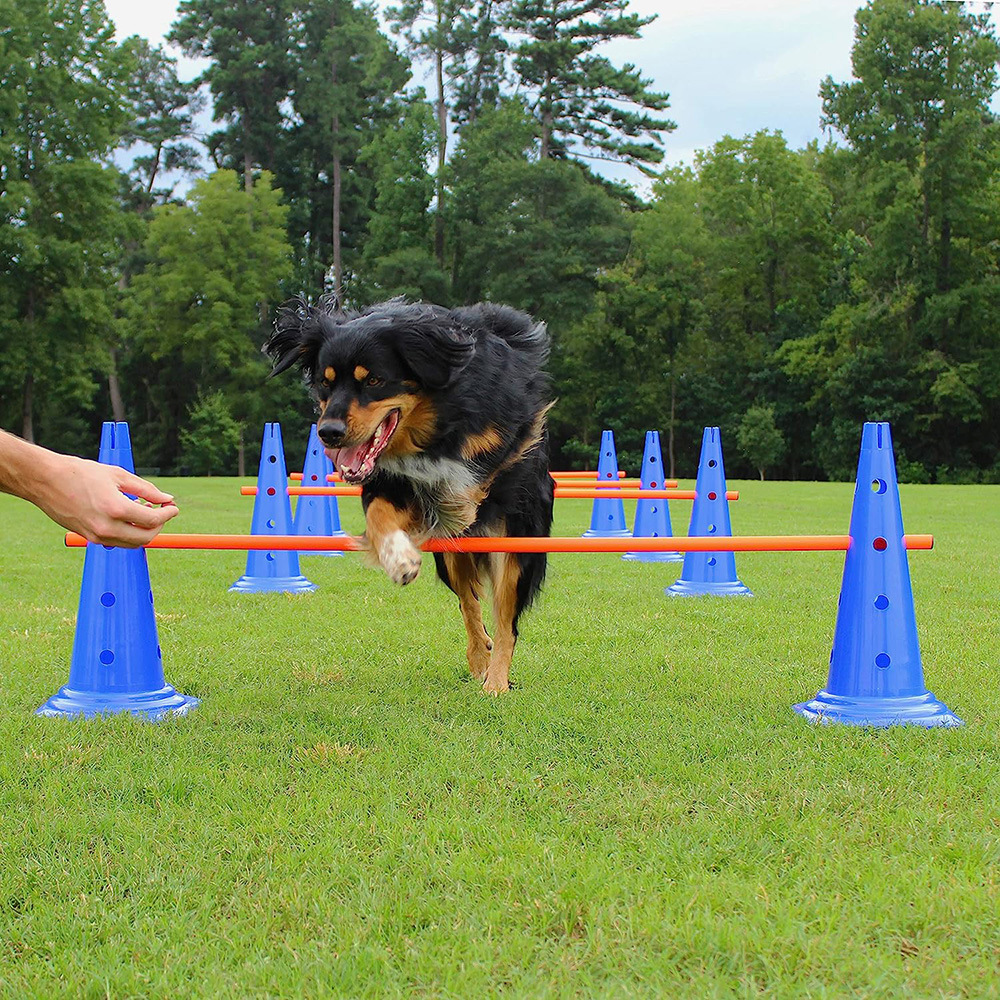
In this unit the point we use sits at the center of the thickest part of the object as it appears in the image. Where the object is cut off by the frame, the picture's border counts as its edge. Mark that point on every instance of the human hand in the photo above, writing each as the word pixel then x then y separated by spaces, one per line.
pixel 88 498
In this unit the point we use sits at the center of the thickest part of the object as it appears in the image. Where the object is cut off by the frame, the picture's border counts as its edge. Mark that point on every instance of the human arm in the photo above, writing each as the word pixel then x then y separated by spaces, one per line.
pixel 83 496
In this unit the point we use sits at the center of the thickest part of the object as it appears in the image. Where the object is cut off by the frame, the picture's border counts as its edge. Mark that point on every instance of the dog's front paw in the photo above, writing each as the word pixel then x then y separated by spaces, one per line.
pixel 400 558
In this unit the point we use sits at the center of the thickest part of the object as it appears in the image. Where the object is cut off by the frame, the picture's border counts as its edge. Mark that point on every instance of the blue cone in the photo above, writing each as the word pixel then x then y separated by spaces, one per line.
pixel 272 515
pixel 117 665
pixel 652 517
pixel 607 518
pixel 317 515
pixel 876 677
pixel 710 572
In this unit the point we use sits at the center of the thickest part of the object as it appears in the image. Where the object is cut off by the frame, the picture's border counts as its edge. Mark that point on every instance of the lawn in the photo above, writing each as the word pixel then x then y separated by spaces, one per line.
pixel 644 815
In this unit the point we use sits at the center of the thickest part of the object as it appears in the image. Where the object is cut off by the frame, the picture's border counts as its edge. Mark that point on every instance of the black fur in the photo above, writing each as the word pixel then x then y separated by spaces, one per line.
pixel 482 367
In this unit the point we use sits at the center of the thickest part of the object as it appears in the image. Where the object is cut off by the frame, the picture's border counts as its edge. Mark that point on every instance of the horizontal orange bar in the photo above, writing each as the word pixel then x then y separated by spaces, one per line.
pixel 296 477
pixel 347 543
pixel 561 492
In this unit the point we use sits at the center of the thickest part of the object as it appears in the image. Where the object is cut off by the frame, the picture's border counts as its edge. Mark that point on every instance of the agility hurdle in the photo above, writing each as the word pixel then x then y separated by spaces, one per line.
pixel 875 678
pixel 521 543
pixel 562 478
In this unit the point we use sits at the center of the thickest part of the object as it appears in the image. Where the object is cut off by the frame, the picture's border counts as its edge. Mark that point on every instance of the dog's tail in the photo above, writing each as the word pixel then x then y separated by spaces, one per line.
pixel 518 329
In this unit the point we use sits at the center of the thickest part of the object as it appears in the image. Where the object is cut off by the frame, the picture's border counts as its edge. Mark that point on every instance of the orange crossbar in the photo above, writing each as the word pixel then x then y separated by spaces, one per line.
pixel 342 543
pixel 562 492
pixel 670 484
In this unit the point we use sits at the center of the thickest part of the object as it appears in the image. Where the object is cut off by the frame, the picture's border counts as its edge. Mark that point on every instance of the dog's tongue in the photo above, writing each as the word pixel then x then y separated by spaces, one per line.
pixel 347 461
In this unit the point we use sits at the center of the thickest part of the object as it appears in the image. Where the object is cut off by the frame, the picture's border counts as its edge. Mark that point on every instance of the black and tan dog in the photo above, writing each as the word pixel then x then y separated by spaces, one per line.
pixel 440 415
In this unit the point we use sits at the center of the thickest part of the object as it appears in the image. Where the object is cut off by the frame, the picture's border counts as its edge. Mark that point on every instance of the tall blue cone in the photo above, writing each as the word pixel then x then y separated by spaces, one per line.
pixel 607 517
pixel 652 517
pixel 710 572
pixel 272 515
pixel 116 665
pixel 876 677
pixel 317 515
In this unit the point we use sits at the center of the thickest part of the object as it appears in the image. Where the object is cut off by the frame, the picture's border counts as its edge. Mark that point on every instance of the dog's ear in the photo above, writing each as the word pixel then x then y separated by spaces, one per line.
pixel 296 340
pixel 435 346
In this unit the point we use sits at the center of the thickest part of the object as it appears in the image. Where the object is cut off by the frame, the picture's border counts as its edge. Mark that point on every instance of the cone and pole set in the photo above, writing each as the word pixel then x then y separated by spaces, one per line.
pixel 652 516
pixel 710 572
pixel 317 515
pixel 876 676
pixel 117 664
pixel 607 518
pixel 272 570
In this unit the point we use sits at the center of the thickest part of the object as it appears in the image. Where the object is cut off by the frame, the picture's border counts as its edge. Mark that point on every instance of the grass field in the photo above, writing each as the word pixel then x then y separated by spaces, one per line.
pixel 345 815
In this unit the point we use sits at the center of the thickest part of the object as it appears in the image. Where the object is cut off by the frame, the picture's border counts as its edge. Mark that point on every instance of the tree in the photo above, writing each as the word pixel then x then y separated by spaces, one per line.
pixel 249 74
pixel 196 308
pixel 759 439
pixel 532 233
pixel 925 152
pixel 62 81
pixel 585 106
pixel 210 437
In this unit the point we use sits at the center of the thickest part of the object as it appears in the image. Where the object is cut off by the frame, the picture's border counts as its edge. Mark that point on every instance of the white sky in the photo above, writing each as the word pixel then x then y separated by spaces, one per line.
pixel 729 66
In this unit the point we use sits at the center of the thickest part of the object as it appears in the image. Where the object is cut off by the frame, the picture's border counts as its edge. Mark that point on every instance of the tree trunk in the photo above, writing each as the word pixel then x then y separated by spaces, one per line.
pixel 114 388
pixel 670 426
pixel 442 114
pixel 247 169
pixel 27 406
pixel 338 265
pixel 761 471
pixel 241 458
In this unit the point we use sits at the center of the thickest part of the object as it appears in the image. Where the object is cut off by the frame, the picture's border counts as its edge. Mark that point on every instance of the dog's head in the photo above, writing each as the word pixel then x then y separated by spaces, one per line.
pixel 375 374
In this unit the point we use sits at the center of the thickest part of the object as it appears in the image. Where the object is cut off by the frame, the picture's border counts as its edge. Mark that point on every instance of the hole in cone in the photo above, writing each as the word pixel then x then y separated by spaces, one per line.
pixel 881 602
pixel 713 496
pixel 882 660
pixel 878 486
pixel 880 544
pixel 107 599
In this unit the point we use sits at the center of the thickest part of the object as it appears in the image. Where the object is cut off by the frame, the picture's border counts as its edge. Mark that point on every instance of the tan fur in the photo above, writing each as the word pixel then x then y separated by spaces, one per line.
pixel 465 580
pixel 361 373
pixel 505 571
pixel 329 374
pixel 388 531
pixel 417 420
pixel 481 443
pixel 531 441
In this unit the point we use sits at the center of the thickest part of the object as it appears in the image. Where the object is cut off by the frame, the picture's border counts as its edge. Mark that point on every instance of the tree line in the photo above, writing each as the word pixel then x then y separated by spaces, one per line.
pixel 784 295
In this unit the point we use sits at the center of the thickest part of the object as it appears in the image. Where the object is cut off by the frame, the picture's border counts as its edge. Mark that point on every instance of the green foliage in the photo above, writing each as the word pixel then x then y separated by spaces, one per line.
pixel 584 104
pixel 210 437
pixel 759 439
pixel 62 81
pixel 198 310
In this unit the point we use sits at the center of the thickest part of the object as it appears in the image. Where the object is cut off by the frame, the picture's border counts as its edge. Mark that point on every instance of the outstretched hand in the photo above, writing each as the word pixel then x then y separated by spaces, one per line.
pixel 89 498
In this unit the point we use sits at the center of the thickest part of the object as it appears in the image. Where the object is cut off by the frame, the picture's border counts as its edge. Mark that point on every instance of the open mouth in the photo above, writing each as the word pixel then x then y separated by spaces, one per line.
pixel 357 462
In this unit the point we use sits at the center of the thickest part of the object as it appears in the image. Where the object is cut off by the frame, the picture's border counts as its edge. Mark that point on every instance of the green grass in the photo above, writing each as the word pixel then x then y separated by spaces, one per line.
pixel 643 816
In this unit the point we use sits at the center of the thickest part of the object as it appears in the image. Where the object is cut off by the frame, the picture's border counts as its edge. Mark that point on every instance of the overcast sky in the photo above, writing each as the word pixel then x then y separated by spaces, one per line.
pixel 729 66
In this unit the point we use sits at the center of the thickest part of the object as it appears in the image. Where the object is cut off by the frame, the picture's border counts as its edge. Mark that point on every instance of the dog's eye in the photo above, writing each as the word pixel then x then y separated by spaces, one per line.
pixel 373 381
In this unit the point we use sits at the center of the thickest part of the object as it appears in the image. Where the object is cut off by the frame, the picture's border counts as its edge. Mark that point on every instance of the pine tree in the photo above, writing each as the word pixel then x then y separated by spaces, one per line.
pixel 585 106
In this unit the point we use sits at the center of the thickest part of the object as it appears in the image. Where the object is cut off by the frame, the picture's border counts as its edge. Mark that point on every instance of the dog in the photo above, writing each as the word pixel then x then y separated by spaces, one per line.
pixel 440 415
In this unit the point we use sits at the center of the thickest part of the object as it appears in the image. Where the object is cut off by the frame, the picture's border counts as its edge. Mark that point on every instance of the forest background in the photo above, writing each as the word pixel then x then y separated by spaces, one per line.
pixel 783 294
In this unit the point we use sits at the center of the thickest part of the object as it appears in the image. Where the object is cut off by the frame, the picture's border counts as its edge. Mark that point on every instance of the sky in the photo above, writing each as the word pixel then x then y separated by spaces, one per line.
pixel 730 66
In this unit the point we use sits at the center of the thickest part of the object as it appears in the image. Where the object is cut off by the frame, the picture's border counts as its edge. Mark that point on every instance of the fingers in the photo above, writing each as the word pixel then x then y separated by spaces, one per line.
pixel 144 517
pixel 129 483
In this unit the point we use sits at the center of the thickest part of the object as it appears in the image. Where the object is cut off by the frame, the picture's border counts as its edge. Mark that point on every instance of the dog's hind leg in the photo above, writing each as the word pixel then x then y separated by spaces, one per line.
pixel 505 576
pixel 462 576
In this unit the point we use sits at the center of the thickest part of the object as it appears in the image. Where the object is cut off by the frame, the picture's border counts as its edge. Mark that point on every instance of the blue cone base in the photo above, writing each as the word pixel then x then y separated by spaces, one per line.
pixel 916 710
pixel 700 588
pixel 272 585
pixel 151 704
pixel 656 557
pixel 591 533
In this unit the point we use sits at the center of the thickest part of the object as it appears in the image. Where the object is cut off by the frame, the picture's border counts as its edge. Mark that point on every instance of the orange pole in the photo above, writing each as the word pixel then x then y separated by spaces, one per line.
pixel 340 543
pixel 670 484
pixel 561 492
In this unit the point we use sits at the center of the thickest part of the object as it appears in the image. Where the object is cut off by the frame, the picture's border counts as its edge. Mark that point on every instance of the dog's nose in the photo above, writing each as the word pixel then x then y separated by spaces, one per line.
pixel 331 432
